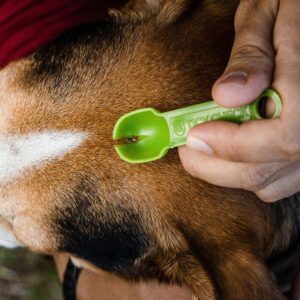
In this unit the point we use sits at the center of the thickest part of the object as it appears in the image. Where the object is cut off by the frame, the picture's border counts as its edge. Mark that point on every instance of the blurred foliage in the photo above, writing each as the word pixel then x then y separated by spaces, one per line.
pixel 27 276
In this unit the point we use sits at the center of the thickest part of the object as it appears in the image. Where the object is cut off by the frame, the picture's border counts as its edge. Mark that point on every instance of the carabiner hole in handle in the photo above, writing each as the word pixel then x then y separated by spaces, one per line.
pixel 269 105
pixel 266 107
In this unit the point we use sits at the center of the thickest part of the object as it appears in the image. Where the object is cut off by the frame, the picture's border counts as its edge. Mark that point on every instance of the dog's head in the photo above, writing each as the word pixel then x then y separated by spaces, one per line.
pixel 63 187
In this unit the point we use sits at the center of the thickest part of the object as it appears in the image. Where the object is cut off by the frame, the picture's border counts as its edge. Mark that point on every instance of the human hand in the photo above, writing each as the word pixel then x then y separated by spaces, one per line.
pixel 260 156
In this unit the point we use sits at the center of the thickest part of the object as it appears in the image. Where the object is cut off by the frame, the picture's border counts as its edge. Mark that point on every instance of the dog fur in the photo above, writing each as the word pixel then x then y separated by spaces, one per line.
pixel 144 221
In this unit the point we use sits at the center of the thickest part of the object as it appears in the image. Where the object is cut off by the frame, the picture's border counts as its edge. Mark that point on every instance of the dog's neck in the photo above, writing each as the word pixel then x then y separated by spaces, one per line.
pixel 27 25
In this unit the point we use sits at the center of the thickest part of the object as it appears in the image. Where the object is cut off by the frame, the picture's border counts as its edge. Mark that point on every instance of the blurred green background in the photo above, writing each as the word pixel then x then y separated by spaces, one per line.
pixel 27 276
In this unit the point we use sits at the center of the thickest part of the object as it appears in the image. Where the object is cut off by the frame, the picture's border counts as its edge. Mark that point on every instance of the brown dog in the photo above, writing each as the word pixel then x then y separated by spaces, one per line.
pixel 64 189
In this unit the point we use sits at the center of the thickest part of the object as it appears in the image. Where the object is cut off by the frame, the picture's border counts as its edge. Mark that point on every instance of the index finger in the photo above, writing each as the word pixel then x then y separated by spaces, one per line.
pixel 254 141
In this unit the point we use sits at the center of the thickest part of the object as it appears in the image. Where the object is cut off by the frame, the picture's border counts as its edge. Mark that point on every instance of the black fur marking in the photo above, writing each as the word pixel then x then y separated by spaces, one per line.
pixel 50 58
pixel 286 216
pixel 109 236
pixel 285 265
pixel 63 65
pixel 70 280
pixel 294 206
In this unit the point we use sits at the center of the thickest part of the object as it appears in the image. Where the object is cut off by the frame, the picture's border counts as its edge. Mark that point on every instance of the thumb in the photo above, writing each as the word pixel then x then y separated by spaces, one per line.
pixel 251 63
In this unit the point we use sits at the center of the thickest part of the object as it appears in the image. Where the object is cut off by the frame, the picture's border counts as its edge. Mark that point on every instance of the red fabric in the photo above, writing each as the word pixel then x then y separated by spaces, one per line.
pixel 26 25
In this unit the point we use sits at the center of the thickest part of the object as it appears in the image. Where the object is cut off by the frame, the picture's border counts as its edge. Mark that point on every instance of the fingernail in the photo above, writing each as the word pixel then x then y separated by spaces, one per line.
pixel 199 145
pixel 239 78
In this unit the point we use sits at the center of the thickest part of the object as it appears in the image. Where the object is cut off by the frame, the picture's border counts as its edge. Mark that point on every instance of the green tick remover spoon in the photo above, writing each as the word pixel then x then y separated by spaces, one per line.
pixel 146 134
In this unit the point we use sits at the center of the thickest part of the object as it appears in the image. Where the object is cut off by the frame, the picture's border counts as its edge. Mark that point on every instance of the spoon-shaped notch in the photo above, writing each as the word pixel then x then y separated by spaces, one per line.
pixel 141 136
pixel 145 135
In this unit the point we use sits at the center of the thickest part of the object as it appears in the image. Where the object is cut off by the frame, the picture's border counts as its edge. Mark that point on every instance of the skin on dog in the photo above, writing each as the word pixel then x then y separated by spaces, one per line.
pixel 63 188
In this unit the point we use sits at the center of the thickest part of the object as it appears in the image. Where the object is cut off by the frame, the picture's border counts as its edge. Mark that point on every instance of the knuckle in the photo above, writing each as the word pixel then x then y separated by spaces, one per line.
pixel 246 5
pixel 287 46
pixel 250 53
pixel 255 178
pixel 290 148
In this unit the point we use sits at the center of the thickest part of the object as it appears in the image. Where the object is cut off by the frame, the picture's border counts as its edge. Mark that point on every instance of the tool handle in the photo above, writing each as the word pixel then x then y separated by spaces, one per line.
pixel 180 121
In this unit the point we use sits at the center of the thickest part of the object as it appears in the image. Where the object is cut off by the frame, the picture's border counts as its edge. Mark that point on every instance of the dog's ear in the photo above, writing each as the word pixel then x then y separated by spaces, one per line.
pixel 166 11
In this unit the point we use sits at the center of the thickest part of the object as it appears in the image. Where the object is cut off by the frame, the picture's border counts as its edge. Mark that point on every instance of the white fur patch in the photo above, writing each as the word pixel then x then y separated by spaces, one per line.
pixel 22 152
pixel 7 237
pixel 77 262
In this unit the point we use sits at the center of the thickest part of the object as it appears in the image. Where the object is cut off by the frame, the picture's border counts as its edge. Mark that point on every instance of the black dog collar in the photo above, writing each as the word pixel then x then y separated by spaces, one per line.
pixel 70 280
